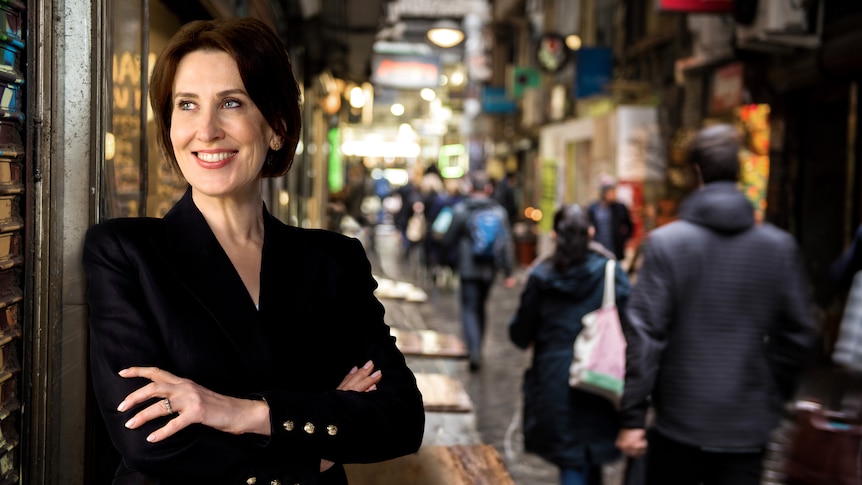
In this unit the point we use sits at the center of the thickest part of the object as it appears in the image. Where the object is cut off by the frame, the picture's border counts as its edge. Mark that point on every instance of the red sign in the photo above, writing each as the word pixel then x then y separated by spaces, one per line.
pixel 712 6
pixel 727 87
pixel 406 72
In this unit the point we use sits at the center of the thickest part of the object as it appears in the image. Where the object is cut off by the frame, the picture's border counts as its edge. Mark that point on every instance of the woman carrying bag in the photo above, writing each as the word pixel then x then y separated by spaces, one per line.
pixel 568 427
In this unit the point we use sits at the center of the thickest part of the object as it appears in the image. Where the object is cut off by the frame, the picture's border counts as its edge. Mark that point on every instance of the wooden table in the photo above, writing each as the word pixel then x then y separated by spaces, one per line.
pixel 428 343
pixel 436 465
pixel 443 393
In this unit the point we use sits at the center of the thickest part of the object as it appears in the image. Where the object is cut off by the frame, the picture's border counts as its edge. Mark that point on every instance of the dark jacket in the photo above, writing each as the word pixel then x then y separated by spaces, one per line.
pixel 163 293
pixel 561 424
pixel 458 236
pixel 621 224
pixel 844 268
pixel 720 325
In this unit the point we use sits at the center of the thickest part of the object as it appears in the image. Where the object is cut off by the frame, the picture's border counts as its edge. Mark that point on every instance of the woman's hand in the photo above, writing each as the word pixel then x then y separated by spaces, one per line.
pixel 359 380
pixel 191 403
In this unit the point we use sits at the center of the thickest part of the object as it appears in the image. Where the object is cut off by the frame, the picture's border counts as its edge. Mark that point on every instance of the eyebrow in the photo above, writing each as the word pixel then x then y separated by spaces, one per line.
pixel 219 94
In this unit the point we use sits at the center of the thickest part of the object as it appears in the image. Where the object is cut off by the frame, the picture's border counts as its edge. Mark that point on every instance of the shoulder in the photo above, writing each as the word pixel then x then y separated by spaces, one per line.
pixel 621 208
pixel 542 271
pixel 120 239
pixel 670 231
pixel 775 234
pixel 320 243
pixel 318 238
pixel 124 228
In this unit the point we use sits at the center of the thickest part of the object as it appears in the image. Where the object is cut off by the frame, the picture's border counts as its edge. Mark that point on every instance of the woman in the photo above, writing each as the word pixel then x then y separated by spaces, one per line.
pixel 227 347
pixel 572 429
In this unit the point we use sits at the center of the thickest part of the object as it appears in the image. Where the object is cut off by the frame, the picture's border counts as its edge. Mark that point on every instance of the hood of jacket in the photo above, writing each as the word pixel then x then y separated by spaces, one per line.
pixel 579 281
pixel 476 202
pixel 719 206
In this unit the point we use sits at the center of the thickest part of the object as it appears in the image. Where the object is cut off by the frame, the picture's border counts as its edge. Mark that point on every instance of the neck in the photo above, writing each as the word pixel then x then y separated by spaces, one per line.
pixel 238 218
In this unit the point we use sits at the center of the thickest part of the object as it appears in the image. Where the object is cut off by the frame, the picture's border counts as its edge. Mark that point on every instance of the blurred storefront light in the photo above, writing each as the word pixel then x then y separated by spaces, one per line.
pixel 457 78
pixel 428 94
pixel 382 149
pixel 357 97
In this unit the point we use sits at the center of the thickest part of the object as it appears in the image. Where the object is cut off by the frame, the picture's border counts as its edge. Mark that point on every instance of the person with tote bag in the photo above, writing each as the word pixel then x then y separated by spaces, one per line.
pixel 572 428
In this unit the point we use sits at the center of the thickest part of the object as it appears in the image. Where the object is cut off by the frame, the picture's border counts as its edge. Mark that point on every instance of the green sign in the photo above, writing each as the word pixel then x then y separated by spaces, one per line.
pixel 548 195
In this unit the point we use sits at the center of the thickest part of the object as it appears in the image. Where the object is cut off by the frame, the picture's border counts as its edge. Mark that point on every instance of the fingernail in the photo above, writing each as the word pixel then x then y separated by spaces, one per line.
pixel 376 374
pixel 353 370
pixel 122 406
pixel 368 365
pixel 130 423
pixel 124 372
pixel 373 387
pixel 151 438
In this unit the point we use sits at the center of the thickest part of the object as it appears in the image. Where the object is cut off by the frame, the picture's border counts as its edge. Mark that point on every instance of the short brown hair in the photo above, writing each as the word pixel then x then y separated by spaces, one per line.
pixel 715 151
pixel 265 70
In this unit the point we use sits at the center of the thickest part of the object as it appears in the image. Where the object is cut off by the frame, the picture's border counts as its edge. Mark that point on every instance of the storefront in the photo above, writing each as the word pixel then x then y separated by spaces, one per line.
pixel 622 142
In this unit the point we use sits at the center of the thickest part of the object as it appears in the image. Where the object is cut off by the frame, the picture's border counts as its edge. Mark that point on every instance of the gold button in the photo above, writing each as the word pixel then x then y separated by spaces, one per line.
pixel 288 425
pixel 332 430
pixel 309 428
pixel 251 481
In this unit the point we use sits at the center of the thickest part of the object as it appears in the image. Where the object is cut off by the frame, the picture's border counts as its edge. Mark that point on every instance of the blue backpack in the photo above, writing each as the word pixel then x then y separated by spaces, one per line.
pixel 486 227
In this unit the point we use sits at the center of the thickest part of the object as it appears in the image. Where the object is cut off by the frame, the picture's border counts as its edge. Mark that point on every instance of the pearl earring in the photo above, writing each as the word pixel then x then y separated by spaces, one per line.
pixel 276 145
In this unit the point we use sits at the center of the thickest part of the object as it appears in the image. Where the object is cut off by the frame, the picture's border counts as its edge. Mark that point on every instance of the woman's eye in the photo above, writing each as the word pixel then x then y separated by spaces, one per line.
pixel 185 105
pixel 231 103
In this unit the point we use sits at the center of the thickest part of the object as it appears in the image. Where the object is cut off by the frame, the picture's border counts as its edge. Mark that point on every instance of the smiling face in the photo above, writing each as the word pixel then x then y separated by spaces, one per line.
pixel 219 136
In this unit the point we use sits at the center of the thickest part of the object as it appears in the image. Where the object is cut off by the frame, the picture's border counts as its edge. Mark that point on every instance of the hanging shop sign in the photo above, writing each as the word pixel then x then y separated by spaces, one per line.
pixel 521 78
pixel 712 6
pixel 727 86
pixel 640 149
pixel 552 52
pixel 595 67
pixel 406 72
pixel 496 101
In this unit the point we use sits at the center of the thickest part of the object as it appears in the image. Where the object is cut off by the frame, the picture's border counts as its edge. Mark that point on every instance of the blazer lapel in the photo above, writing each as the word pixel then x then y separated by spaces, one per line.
pixel 199 262
pixel 287 270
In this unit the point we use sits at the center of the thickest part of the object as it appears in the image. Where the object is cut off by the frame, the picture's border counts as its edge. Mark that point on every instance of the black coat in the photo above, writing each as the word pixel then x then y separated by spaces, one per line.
pixel 163 293
pixel 621 225
pixel 561 424
pixel 721 324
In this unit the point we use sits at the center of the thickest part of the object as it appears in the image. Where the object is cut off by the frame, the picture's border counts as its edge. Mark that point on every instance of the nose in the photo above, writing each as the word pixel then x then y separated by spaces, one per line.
pixel 209 126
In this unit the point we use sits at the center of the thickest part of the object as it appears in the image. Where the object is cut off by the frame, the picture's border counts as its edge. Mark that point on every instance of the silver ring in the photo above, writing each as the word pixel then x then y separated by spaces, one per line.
pixel 167 403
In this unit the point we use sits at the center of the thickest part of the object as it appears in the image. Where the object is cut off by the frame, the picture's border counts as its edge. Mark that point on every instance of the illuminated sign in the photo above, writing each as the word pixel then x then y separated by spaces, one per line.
pixel 406 72
pixel 552 52
pixel 453 161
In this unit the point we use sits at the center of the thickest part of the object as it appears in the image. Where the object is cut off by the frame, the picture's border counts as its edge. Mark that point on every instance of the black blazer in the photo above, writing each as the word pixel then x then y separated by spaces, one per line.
pixel 162 292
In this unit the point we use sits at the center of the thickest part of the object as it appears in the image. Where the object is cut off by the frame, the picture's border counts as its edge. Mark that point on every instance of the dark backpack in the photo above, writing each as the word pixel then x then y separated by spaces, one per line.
pixel 486 228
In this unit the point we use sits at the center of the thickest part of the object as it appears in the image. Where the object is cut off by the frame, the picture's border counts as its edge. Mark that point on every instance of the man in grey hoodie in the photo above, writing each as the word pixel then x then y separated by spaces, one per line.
pixel 720 325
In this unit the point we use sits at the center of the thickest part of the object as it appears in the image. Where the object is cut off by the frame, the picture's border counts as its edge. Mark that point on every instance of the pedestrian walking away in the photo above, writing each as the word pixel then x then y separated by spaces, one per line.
pixel 611 219
pixel 720 325
pixel 226 346
pixel 481 234
pixel 571 428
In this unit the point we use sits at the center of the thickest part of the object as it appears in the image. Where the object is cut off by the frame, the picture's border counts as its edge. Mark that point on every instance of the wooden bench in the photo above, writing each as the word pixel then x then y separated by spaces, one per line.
pixel 428 343
pixel 442 393
pixel 436 465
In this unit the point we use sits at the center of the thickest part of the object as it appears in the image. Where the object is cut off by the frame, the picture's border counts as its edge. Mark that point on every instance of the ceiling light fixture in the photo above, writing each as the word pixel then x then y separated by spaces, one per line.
pixel 445 33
